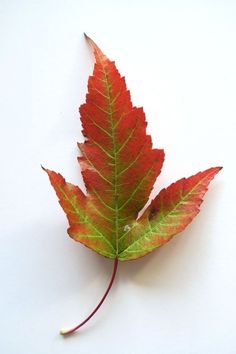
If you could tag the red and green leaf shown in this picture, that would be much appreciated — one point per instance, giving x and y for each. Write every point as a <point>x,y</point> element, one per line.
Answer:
<point>119,168</point>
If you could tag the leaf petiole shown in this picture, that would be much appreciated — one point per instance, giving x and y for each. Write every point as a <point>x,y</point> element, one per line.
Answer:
<point>69,331</point>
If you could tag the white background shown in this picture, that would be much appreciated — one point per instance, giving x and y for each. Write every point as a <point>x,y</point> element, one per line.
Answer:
<point>179,61</point>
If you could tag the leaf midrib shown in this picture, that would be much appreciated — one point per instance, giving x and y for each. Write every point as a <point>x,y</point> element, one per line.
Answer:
<point>114,151</point>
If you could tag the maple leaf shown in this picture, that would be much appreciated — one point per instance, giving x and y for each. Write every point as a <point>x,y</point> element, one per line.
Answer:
<point>119,168</point>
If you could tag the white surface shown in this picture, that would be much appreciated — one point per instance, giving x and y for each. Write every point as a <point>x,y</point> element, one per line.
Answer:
<point>179,61</point>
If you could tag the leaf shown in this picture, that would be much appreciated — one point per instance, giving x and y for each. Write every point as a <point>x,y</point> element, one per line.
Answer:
<point>119,168</point>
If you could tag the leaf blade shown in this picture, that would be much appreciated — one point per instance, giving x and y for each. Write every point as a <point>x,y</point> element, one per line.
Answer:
<point>119,168</point>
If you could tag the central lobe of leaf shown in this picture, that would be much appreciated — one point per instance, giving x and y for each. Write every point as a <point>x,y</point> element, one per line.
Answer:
<point>118,163</point>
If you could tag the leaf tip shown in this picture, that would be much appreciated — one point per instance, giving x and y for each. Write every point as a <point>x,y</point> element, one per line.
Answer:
<point>45,169</point>
<point>89,40</point>
<point>97,51</point>
<point>217,169</point>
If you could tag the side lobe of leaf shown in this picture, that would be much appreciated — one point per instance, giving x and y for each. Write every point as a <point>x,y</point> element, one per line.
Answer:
<point>73,202</point>
<point>168,214</point>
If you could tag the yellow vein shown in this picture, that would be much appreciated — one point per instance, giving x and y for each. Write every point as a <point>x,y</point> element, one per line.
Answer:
<point>85,217</point>
<point>99,173</point>
<point>127,140</point>
<point>101,200</point>
<point>98,91</point>
<point>97,125</point>
<point>136,188</point>
<point>133,161</point>
<point>101,148</point>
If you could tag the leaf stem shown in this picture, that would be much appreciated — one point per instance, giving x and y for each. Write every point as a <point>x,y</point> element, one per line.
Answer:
<point>69,331</point>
